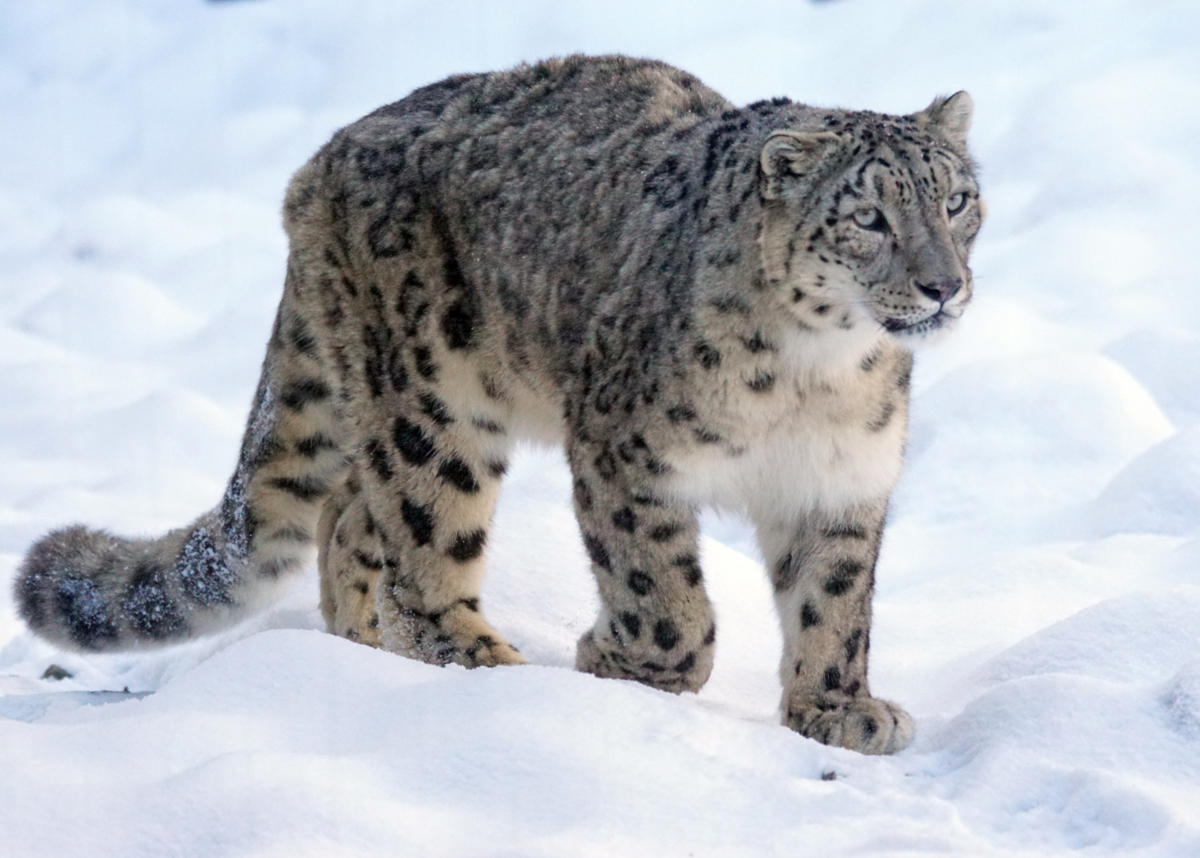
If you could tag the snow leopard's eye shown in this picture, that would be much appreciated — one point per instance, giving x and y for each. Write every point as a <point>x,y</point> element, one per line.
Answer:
<point>871,219</point>
<point>956,203</point>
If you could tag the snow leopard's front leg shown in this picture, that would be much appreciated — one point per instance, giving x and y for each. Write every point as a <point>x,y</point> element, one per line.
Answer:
<point>823,571</point>
<point>656,624</point>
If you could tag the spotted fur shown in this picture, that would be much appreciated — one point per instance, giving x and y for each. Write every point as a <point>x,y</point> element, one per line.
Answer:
<point>704,304</point>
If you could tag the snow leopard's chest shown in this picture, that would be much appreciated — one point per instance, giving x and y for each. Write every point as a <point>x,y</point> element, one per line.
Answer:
<point>802,445</point>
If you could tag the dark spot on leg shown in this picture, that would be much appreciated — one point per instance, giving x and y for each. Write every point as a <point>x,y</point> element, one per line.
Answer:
<point>315,444</point>
<point>467,546</point>
<point>297,394</point>
<point>435,409</point>
<point>690,567</point>
<point>625,519</point>
<point>305,489</point>
<point>686,663</point>
<point>377,457</point>
<point>419,520</point>
<point>424,361</point>
<point>845,571</point>
<point>412,442</point>
<point>606,465</point>
<point>665,634</point>
<point>845,531</point>
<point>456,472</point>
<point>632,624</point>
<point>367,561</point>
<point>809,616</point>
<point>302,337</point>
<point>665,532</point>
<point>458,325</point>
<point>639,582</point>
<point>597,551</point>
<point>583,494</point>
<point>852,644</point>
<point>833,678</point>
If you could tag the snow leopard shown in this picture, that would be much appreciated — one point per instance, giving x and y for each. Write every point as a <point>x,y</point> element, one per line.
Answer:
<point>705,305</point>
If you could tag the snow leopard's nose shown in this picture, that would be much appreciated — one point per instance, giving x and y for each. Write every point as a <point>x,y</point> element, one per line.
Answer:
<point>940,290</point>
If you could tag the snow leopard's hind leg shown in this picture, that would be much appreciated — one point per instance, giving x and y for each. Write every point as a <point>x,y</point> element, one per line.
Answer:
<point>431,443</point>
<point>428,492</point>
<point>350,560</point>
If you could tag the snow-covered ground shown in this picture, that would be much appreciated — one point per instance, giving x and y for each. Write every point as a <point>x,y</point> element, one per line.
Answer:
<point>1039,590</point>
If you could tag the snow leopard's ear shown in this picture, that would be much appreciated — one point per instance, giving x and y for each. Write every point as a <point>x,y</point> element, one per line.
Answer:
<point>949,117</point>
<point>789,153</point>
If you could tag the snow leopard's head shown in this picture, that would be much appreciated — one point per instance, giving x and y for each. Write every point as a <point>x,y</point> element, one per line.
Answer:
<point>868,219</point>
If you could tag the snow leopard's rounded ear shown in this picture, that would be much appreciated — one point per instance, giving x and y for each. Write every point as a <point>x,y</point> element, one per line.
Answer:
<point>789,153</point>
<point>949,117</point>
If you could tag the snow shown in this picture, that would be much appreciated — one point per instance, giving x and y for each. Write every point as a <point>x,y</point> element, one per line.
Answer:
<point>1038,606</point>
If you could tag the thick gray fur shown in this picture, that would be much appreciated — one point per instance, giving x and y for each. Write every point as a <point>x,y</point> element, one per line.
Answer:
<point>707,305</point>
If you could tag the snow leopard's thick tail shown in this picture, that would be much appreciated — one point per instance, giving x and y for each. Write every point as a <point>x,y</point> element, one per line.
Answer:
<point>88,590</point>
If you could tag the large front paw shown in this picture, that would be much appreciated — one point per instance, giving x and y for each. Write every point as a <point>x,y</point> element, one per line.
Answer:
<point>864,724</point>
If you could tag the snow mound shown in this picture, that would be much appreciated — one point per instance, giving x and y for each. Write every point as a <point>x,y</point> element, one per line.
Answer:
<point>1037,431</point>
<point>1158,492</point>
<point>1164,360</point>
<point>109,313</point>
<point>1137,638</point>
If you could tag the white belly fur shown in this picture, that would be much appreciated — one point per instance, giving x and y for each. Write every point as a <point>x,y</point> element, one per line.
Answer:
<point>795,469</point>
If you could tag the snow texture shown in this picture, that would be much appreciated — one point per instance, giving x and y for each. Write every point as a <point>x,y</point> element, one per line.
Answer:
<point>1039,589</point>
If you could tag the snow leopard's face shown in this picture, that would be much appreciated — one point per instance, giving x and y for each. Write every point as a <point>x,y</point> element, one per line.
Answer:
<point>872,220</point>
